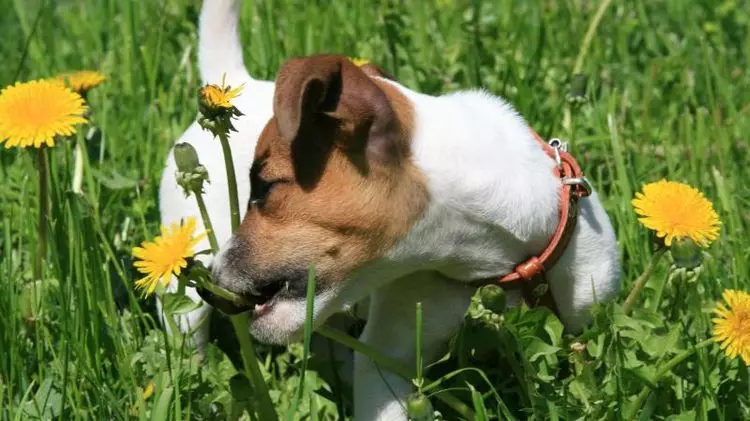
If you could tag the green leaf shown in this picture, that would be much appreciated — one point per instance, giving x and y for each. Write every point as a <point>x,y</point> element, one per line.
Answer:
<point>161,409</point>
<point>178,303</point>
<point>46,402</point>
<point>535,348</point>
<point>554,329</point>
<point>479,408</point>
<point>683,416</point>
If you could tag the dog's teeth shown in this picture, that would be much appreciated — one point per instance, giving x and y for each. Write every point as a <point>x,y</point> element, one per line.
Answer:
<point>257,307</point>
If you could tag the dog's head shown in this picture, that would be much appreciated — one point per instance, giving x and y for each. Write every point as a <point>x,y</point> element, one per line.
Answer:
<point>332,186</point>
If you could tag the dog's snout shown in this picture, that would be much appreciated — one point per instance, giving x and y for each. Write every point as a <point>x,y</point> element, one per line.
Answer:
<point>233,270</point>
<point>228,262</point>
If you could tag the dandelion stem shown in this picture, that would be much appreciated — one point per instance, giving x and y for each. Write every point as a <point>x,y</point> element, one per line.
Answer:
<point>641,281</point>
<point>265,408</point>
<point>663,371</point>
<point>41,249</point>
<point>240,321</point>
<point>231,180</point>
<point>206,221</point>
<point>222,293</point>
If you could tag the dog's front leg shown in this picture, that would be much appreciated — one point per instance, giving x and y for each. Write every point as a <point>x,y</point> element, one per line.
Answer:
<point>391,329</point>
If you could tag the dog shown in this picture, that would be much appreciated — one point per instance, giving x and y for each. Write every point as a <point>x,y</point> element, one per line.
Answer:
<point>401,197</point>
<point>220,55</point>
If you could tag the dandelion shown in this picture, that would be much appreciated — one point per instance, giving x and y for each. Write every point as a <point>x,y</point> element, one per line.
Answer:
<point>217,112</point>
<point>148,391</point>
<point>732,326</point>
<point>33,113</point>
<point>677,210</point>
<point>166,255</point>
<point>359,62</point>
<point>218,98</point>
<point>82,81</point>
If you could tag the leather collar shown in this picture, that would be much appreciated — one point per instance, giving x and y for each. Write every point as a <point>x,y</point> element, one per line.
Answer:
<point>529,275</point>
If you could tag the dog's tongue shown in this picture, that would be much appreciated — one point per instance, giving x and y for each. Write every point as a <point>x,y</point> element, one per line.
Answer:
<point>261,309</point>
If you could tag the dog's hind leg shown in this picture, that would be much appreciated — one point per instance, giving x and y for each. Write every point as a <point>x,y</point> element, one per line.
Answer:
<point>391,329</point>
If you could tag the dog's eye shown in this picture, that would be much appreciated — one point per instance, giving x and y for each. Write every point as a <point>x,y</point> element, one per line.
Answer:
<point>260,189</point>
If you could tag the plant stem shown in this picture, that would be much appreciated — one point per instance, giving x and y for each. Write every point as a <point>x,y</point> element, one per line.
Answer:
<point>641,281</point>
<point>419,347</point>
<point>220,292</point>
<point>265,407</point>
<point>241,321</point>
<point>593,25</point>
<point>390,365</point>
<point>234,206</point>
<point>666,369</point>
<point>207,222</point>
<point>41,249</point>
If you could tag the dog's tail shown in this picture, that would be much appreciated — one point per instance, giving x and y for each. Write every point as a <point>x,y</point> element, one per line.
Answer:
<point>220,48</point>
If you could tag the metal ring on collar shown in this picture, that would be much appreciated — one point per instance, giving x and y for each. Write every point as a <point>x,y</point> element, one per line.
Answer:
<point>582,182</point>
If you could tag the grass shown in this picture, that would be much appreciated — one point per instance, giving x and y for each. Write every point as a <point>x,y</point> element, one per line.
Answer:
<point>667,95</point>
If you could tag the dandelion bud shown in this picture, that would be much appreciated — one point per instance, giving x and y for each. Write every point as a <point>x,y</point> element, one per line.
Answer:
<point>686,253</point>
<point>190,173</point>
<point>577,93</point>
<point>419,408</point>
<point>186,157</point>
<point>493,298</point>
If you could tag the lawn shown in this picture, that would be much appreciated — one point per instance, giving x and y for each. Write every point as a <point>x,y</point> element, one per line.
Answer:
<point>660,89</point>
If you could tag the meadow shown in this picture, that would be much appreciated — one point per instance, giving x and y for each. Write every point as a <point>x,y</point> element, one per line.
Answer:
<point>656,89</point>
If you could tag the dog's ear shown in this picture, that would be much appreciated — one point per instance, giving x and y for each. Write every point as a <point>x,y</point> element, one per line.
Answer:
<point>329,99</point>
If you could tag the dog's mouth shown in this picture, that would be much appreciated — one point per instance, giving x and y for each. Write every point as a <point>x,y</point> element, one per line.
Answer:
<point>259,304</point>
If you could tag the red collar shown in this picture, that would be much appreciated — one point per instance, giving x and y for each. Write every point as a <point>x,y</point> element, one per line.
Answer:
<point>529,275</point>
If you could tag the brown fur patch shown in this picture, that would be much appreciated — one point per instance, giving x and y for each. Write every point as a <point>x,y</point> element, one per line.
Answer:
<point>342,202</point>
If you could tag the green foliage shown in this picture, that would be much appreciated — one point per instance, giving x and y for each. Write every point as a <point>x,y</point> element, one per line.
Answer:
<point>663,93</point>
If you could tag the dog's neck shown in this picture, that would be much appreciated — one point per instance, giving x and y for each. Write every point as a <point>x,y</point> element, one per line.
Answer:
<point>493,196</point>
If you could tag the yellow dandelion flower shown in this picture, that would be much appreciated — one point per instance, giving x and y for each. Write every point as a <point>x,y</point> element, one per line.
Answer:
<point>166,255</point>
<point>33,113</point>
<point>359,62</point>
<point>220,96</point>
<point>676,210</point>
<point>732,326</point>
<point>148,391</point>
<point>82,81</point>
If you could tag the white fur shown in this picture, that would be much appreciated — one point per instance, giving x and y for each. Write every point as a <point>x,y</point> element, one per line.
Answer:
<point>494,202</point>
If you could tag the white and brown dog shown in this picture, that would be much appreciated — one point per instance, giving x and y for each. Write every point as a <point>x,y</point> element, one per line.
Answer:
<point>400,197</point>
<point>393,195</point>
